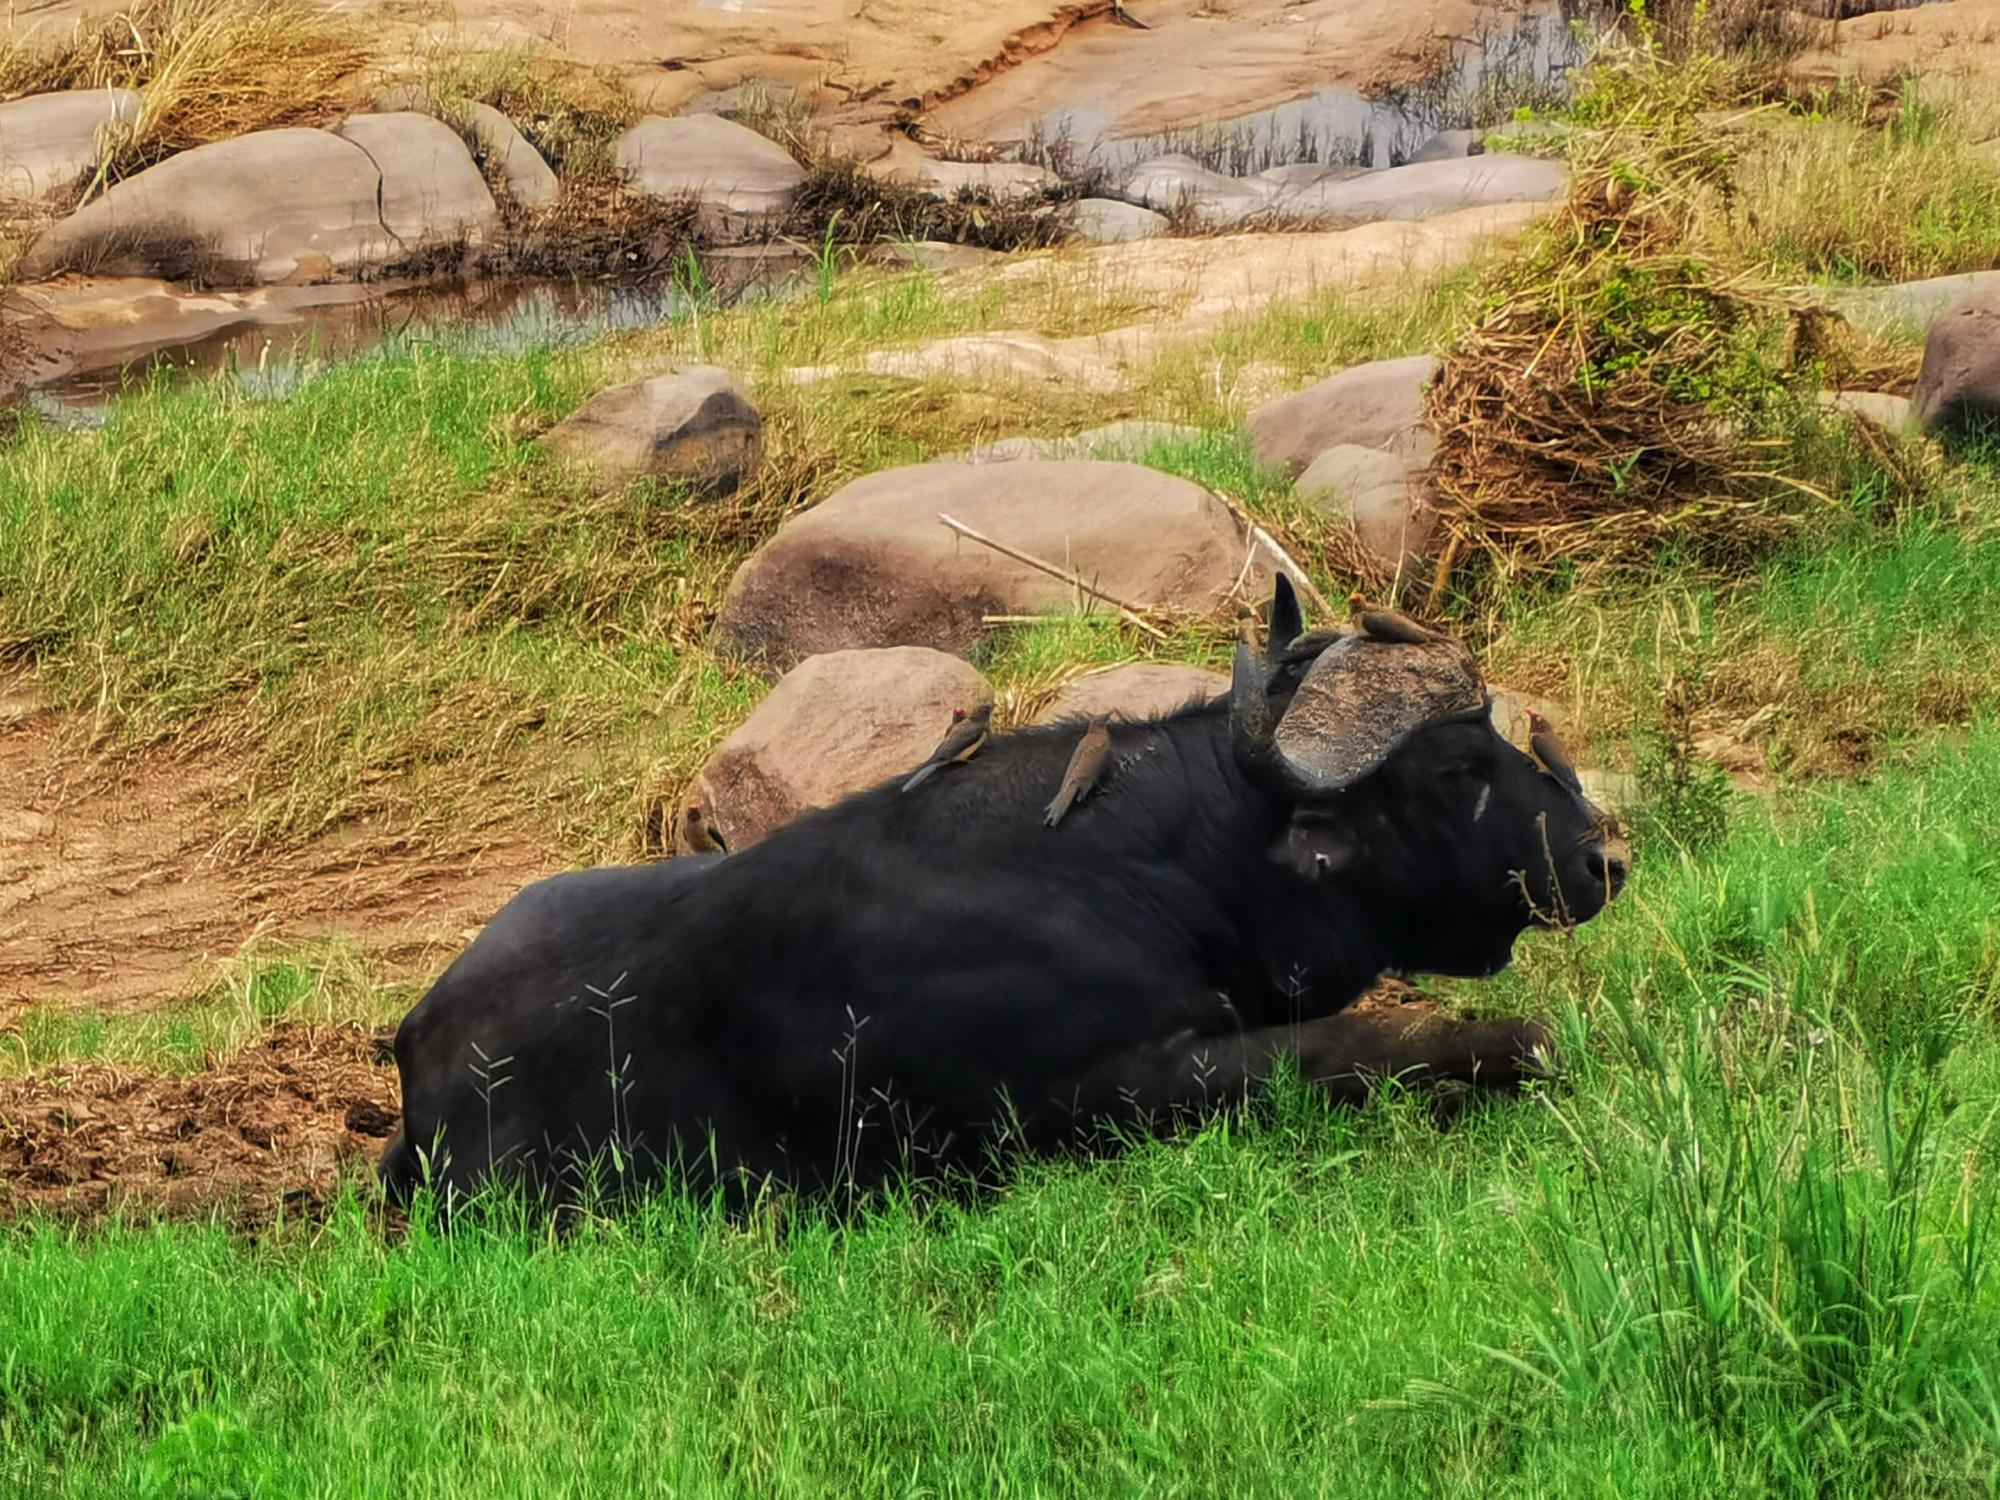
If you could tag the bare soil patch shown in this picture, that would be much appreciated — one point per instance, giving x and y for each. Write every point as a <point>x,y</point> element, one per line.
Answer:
<point>272,1126</point>
<point>117,878</point>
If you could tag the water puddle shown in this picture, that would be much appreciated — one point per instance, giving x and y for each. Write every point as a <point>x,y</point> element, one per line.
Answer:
<point>1524,63</point>
<point>90,341</point>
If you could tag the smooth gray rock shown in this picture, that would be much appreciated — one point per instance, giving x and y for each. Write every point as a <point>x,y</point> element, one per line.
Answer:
<point>836,723</point>
<point>429,179</point>
<point>1448,145</point>
<point>742,182</point>
<point>281,205</point>
<point>1141,690</point>
<point>872,565</point>
<point>524,175</point>
<point>1106,221</point>
<point>1378,405</point>
<point>997,181</point>
<point>1169,183</point>
<point>1958,384</point>
<point>1891,413</point>
<point>1425,188</point>
<point>48,141</point>
<point>695,426</point>
<point>1377,492</point>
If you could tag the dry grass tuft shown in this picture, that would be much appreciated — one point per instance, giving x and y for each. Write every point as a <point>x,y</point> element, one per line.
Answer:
<point>1609,397</point>
<point>210,69</point>
<point>600,228</point>
<point>569,112</point>
<point>840,199</point>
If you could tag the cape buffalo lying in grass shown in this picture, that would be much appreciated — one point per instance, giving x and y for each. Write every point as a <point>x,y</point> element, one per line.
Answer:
<point>926,982</point>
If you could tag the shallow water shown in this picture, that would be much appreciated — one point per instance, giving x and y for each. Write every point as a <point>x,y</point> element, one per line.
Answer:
<point>1525,62</point>
<point>270,351</point>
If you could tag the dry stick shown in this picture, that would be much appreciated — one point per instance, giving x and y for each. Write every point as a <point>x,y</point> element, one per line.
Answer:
<point>1128,611</point>
<point>1262,538</point>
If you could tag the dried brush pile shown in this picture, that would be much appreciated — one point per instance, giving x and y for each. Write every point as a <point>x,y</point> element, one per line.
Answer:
<point>1611,397</point>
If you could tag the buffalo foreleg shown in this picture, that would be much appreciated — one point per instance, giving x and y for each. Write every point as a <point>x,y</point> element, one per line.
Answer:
<point>1348,1055</point>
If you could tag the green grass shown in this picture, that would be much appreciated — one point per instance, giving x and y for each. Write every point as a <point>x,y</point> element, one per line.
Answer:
<point>1743,1246</point>
<point>238,1002</point>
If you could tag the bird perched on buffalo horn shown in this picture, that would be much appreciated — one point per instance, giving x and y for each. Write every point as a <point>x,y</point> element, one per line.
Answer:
<point>1087,764</point>
<point>1380,624</point>
<point>697,835</point>
<point>1549,751</point>
<point>960,743</point>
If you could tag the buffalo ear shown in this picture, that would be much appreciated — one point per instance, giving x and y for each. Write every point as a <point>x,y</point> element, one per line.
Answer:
<point>1287,621</point>
<point>1316,849</point>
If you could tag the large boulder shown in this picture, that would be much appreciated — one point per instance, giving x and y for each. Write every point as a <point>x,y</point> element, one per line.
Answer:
<point>281,205</point>
<point>1958,385</point>
<point>834,724</point>
<point>873,565</point>
<point>1379,493</point>
<point>1140,690</point>
<point>695,426</point>
<point>498,147</point>
<point>431,188</point>
<point>1425,188</point>
<point>1106,221</point>
<point>1120,440</point>
<point>742,182</point>
<point>1377,405</point>
<point>1170,183</point>
<point>48,141</point>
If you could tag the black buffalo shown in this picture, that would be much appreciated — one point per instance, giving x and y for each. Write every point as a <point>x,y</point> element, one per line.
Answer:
<point>925,983</point>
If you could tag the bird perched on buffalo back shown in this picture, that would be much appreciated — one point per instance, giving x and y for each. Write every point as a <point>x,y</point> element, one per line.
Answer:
<point>1087,765</point>
<point>960,743</point>
<point>698,835</point>
<point>1549,751</point>
<point>1380,624</point>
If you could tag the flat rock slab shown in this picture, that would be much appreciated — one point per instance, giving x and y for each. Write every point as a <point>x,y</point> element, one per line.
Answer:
<point>1958,384</point>
<point>742,182</point>
<point>430,185</point>
<point>836,723</point>
<point>280,205</point>
<point>1106,221</point>
<point>1890,412</point>
<point>1425,188</point>
<point>48,141</point>
<point>993,181</point>
<point>873,565</point>
<point>1142,690</point>
<point>696,426</point>
<point>1167,184</point>
<point>1120,440</point>
<point>1376,405</point>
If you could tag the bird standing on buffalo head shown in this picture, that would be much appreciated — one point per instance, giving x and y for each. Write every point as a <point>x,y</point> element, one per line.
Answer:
<point>1087,765</point>
<point>1387,625</point>
<point>960,743</point>
<point>698,835</point>
<point>1549,751</point>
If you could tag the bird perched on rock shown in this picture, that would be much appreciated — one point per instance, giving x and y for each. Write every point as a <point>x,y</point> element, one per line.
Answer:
<point>697,835</point>
<point>1087,765</point>
<point>960,743</point>
<point>1120,13</point>
<point>1380,624</point>
<point>1549,751</point>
